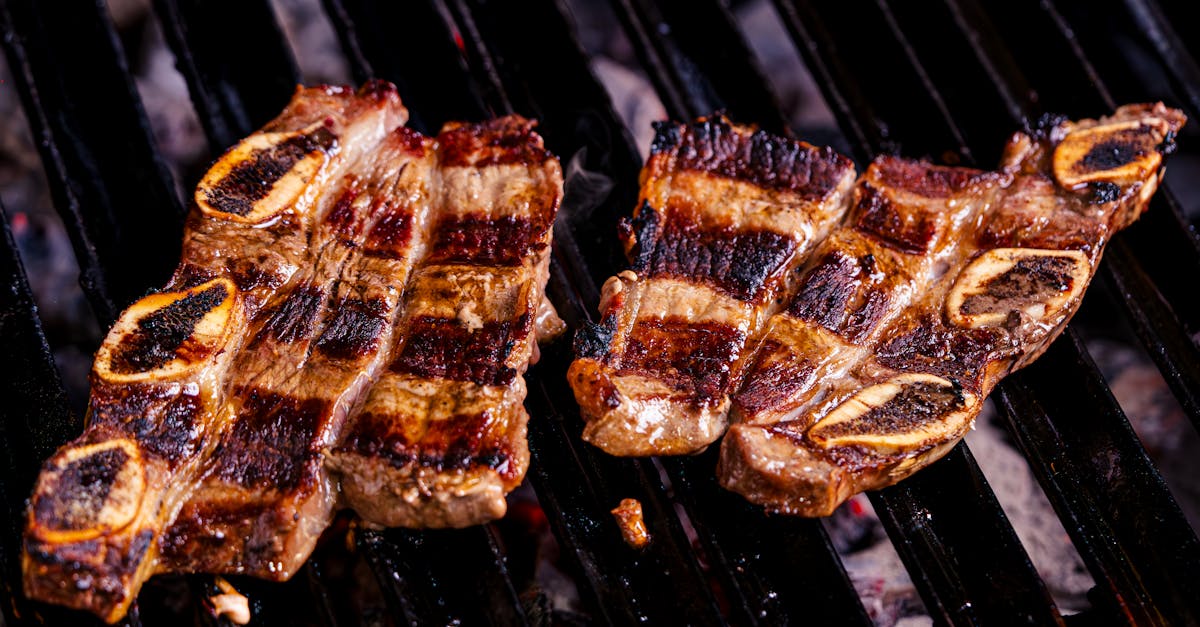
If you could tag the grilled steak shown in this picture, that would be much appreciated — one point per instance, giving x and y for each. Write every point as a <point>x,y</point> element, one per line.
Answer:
<point>158,383</point>
<point>264,497</point>
<point>725,215</point>
<point>441,437</point>
<point>941,283</point>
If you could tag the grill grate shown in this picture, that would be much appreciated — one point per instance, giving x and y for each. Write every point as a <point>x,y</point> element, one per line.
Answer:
<point>939,80</point>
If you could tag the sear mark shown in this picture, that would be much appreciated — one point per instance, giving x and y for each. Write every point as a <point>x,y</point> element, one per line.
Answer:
<point>693,357</point>
<point>484,241</point>
<point>295,318</point>
<point>739,263</point>
<point>442,348</point>
<point>355,329</point>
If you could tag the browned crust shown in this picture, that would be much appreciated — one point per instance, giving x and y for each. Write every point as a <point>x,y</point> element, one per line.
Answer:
<point>441,438</point>
<point>679,245</point>
<point>689,356</point>
<point>877,419</point>
<point>716,146</point>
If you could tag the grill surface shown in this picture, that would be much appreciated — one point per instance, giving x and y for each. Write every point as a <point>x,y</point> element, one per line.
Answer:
<point>944,80</point>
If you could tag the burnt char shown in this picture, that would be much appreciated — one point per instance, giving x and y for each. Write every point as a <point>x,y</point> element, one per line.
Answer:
<point>355,329</point>
<point>484,241</point>
<point>778,374</point>
<point>688,355</point>
<point>844,293</point>
<point>509,140</point>
<point>166,424</point>
<point>713,145</point>
<point>875,214</point>
<point>271,441</point>
<point>677,245</point>
<point>251,180</point>
<point>295,318</point>
<point>926,344</point>
<point>163,334</point>
<point>459,442</point>
<point>443,348</point>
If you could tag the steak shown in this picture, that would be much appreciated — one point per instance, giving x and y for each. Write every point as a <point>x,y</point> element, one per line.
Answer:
<point>441,437</point>
<point>264,496</point>
<point>334,263</point>
<point>941,282</point>
<point>158,382</point>
<point>725,216</point>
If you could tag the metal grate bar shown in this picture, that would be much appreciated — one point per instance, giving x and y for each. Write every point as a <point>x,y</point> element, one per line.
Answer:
<point>762,583</point>
<point>967,562</point>
<point>109,183</point>
<point>948,53</point>
<point>692,46</point>
<point>1110,496</point>
<point>411,45</point>
<point>575,114</point>
<point>757,555</point>
<point>936,494</point>
<point>1161,245</point>
<point>213,42</point>
<point>447,577</point>
<point>34,421</point>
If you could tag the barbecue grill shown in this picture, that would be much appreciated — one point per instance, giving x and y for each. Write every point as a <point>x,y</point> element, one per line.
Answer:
<point>946,79</point>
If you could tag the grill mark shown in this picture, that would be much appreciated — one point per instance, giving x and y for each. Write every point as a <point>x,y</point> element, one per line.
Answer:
<point>483,241</point>
<point>693,357</point>
<point>738,263</point>
<point>843,293</point>
<point>774,377</point>
<point>442,348</point>
<point>509,140</point>
<point>295,319</point>
<point>391,235</point>
<point>460,442</point>
<point>355,330</point>
<point>928,180</point>
<point>251,180</point>
<point>907,229</point>
<point>273,441</point>
<point>343,219</point>
<point>172,432</point>
<point>163,334</point>
<point>715,146</point>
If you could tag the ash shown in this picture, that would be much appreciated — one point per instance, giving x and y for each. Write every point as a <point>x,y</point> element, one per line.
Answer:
<point>872,563</point>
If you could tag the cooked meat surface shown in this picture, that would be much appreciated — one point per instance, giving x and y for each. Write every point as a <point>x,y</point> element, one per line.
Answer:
<point>725,216</point>
<point>941,282</point>
<point>264,497</point>
<point>441,438</point>
<point>322,252</point>
<point>159,379</point>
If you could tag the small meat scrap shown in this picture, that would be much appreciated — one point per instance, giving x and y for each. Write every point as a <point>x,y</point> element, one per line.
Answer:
<point>230,604</point>
<point>632,524</point>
